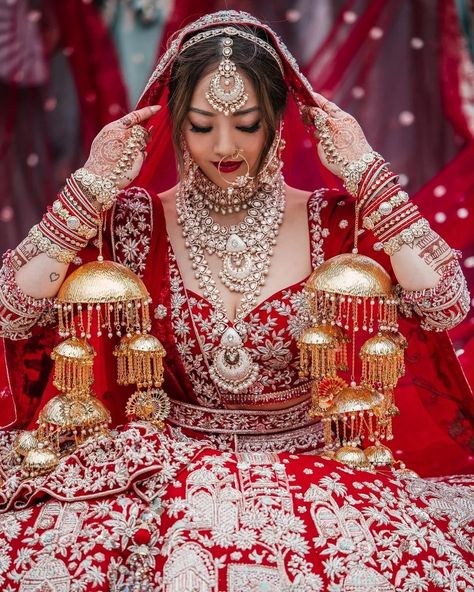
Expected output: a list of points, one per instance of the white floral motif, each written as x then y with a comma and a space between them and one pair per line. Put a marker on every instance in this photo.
132, 221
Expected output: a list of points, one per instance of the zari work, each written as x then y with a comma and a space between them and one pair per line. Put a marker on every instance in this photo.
196, 519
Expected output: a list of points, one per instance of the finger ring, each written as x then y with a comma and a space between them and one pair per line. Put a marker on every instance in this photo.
130, 119
320, 120
140, 135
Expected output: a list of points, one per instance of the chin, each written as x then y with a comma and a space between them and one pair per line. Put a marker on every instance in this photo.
211, 174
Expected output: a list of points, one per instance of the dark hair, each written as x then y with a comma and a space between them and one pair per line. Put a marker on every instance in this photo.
254, 61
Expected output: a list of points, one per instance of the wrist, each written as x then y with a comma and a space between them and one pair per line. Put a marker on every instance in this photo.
101, 191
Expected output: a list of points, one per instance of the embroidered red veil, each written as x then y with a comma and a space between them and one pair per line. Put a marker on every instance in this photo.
434, 432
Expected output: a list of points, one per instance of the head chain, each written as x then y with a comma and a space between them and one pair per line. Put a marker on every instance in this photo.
232, 31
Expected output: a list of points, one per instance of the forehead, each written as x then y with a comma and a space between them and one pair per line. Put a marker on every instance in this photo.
198, 98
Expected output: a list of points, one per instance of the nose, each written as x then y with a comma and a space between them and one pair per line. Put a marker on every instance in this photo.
225, 144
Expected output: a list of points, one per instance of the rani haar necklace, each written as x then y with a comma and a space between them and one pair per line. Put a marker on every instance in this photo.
245, 249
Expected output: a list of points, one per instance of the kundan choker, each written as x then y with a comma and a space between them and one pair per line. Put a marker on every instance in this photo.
223, 200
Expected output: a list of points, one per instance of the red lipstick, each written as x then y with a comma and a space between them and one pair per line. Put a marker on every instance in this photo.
228, 166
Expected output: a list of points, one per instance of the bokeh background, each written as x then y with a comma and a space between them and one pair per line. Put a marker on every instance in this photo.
403, 68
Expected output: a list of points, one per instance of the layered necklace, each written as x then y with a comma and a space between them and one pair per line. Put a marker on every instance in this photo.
245, 250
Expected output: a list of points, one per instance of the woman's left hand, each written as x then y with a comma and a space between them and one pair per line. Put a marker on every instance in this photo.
341, 139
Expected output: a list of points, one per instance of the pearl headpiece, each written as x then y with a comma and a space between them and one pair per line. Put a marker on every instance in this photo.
234, 32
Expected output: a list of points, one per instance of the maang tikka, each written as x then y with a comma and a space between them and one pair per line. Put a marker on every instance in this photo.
226, 92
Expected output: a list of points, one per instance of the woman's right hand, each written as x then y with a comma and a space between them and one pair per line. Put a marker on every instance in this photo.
110, 144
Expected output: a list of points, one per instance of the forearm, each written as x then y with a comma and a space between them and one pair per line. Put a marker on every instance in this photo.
37, 274
431, 282
33, 272
420, 266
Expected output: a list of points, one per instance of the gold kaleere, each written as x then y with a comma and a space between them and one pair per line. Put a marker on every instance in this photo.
351, 295
101, 298
71, 417
382, 362
140, 362
73, 365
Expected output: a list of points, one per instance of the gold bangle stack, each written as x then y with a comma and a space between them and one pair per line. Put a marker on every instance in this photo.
384, 209
49, 247
73, 222
102, 189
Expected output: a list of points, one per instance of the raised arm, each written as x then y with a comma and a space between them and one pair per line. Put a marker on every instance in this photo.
33, 272
431, 282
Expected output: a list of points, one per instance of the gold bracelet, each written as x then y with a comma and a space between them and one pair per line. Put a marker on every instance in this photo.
103, 190
52, 250
384, 209
352, 173
406, 237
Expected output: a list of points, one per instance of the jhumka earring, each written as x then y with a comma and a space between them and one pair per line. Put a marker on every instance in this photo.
189, 166
273, 162
351, 295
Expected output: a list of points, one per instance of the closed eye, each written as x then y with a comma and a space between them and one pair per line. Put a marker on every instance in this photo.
250, 129
200, 130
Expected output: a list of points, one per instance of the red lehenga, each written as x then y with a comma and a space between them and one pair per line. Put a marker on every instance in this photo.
237, 500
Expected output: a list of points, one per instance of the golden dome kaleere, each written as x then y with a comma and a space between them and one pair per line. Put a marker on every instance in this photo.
351, 296
101, 299
140, 362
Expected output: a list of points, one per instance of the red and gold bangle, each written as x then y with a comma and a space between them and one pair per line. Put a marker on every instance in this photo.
393, 223
386, 181
87, 216
382, 196
50, 246
371, 174
403, 232
73, 219
384, 206
81, 197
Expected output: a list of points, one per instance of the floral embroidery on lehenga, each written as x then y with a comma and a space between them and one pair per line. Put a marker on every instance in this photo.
132, 227
248, 521
185, 510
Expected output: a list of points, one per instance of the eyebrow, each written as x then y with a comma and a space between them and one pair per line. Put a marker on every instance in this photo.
211, 114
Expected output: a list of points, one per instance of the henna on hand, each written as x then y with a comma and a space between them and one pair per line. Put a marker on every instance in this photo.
112, 143
23, 253
106, 150
434, 251
348, 137
343, 139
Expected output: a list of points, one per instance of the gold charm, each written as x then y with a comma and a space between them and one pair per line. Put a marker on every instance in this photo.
152, 405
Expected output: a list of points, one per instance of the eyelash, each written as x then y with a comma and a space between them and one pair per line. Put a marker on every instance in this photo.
204, 130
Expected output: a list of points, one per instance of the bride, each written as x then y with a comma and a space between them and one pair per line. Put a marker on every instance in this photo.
231, 494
